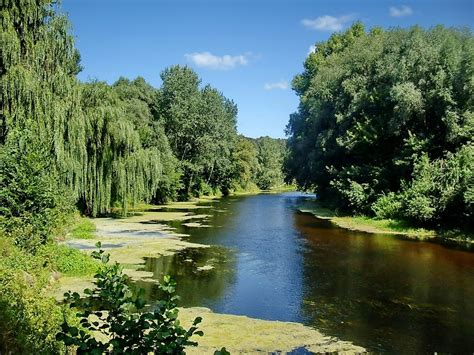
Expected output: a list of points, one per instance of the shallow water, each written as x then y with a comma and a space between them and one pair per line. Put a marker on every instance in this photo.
273, 262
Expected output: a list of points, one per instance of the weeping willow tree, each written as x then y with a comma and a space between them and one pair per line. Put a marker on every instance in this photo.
39, 119
140, 104
38, 65
95, 151
118, 169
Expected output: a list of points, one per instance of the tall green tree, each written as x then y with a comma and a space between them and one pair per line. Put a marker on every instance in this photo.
118, 170
270, 157
380, 109
246, 163
39, 120
82, 128
140, 103
201, 127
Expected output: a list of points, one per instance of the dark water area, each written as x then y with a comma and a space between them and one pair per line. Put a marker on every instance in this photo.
272, 262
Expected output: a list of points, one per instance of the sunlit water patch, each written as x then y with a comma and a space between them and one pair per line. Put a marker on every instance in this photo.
275, 263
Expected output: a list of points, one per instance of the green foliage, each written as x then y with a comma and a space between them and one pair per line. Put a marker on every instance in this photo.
66, 260
140, 103
246, 163
33, 206
113, 310
439, 189
385, 124
387, 206
29, 318
103, 147
258, 163
83, 228
201, 127
114, 145
271, 153
118, 169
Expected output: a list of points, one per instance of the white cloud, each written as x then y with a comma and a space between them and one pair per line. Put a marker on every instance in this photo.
311, 49
211, 61
280, 85
401, 11
327, 23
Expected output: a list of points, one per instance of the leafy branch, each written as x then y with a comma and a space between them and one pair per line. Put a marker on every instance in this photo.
113, 318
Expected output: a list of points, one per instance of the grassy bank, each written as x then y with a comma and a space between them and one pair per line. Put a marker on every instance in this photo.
30, 318
83, 228
388, 226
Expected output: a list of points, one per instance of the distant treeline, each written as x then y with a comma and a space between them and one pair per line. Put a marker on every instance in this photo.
100, 146
385, 124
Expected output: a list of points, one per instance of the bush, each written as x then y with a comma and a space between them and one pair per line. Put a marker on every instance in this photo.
439, 189
29, 319
357, 195
114, 311
32, 203
387, 206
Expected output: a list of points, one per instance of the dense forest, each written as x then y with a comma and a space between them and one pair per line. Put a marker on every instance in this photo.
96, 148
385, 125
102, 146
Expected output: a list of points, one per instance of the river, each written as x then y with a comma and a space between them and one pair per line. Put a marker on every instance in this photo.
273, 262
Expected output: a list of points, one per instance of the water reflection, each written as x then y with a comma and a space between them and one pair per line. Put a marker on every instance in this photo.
389, 294
202, 274
276, 263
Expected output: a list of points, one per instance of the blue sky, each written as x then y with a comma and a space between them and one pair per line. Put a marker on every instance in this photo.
248, 49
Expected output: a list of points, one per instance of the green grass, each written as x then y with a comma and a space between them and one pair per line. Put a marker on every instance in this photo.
30, 318
83, 229
367, 224
371, 225
319, 212
67, 260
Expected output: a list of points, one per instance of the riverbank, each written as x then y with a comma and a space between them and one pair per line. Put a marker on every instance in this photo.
146, 234
397, 228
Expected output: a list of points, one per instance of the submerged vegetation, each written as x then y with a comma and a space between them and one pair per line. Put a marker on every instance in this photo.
385, 125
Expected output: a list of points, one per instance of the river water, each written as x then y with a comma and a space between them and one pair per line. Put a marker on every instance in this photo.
272, 262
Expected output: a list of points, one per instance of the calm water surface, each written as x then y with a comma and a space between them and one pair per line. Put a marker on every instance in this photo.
272, 262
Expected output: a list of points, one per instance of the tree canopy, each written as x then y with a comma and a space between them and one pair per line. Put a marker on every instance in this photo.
104, 147
385, 124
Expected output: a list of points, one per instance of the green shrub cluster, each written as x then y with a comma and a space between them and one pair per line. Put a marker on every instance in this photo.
113, 310
29, 318
33, 206
440, 190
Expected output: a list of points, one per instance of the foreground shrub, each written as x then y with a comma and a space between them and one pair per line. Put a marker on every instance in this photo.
29, 319
118, 315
